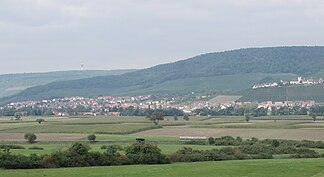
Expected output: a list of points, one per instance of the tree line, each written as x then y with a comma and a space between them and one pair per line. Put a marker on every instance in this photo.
258, 112
136, 111
78, 110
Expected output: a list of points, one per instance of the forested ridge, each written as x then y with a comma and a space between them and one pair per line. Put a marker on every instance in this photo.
304, 61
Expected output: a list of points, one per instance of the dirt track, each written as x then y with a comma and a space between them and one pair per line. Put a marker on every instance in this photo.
297, 134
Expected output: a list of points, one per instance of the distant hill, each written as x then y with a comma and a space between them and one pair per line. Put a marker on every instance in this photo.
292, 93
14, 83
228, 71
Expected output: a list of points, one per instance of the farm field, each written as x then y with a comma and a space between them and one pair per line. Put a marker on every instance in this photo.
251, 168
295, 134
77, 128
58, 133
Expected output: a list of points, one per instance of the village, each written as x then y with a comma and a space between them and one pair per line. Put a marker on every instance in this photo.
110, 105
299, 81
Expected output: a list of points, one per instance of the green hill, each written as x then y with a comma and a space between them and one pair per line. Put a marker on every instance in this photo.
293, 93
14, 83
223, 71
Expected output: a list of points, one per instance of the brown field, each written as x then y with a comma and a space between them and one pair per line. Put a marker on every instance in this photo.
296, 134
42, 137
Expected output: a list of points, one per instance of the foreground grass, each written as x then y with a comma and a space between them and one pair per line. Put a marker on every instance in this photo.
251, 168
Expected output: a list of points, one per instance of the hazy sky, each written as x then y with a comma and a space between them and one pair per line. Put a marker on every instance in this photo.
47, 35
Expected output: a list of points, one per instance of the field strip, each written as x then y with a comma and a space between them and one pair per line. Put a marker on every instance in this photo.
296, 134
42, 136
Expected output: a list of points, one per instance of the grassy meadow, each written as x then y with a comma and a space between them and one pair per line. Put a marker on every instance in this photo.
251, 168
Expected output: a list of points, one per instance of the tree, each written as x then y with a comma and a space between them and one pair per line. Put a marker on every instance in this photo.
314, 117
175, 118
92, 138
30, 137
211, 140
247, 117
275, 143
156, 116
40, 120
17, 115
186, 117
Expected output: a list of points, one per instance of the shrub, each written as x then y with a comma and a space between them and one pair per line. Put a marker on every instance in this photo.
92, 138
186, 117
196, 142
36, 148
48, 162
257, 149
211, 140
30, 137
275, 143
226, 141
4, 146
40, 120
140, 153
79, 148
10, 161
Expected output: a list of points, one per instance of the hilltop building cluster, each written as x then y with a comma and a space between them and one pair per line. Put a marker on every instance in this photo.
299, 81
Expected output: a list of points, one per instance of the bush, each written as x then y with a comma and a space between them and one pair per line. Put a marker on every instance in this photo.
30, 137
40, 120
48, 162
257, 149
140, 153
196, 142
211, 140
36, 148
4, 146
9, 161
92, 138
186, 117
275, 143
226, 141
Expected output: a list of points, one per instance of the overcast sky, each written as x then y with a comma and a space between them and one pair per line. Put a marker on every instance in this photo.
48, 35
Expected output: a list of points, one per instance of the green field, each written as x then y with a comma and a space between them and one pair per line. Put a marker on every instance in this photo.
52, 136
250, 168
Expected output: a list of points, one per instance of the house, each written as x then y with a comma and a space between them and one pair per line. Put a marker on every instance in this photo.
114, 113
60, 114
89, 114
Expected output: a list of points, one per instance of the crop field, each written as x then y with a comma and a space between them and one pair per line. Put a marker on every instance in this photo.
77, 128
251, 168
81, 125
295, 134
59, 133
